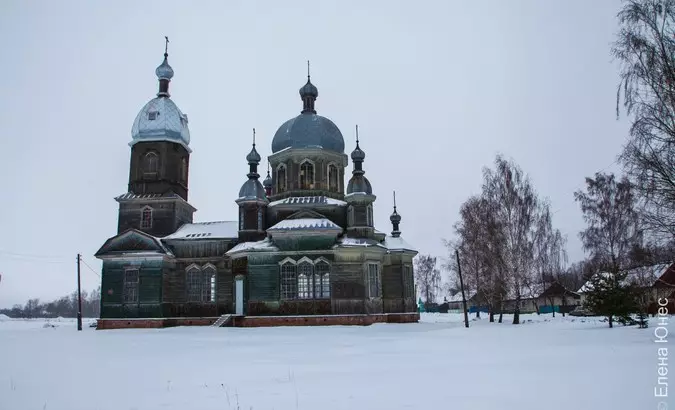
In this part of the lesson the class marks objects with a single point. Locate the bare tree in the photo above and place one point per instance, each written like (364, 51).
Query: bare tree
(515, 204)
(428, 277)
(612, 233)
(645, 48)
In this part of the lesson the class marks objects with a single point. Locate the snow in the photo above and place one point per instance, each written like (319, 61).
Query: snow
(203, 230)
(305, 223)
(555, 364)
(3, 317)
(264, 245)
(397, 244)
(308, 200)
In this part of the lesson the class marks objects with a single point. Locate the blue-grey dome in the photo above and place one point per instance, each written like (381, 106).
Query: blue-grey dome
(395, 217)
(308, 130)
(309, 89)
(164, 71)
(252, 190)
(359, 183)
(358, 154)
(161, 120)
(268, 180)
(253, 157)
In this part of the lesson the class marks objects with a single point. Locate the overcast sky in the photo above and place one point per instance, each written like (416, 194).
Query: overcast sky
(438, 88)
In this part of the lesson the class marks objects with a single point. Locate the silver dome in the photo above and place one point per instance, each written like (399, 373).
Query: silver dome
(161, 120)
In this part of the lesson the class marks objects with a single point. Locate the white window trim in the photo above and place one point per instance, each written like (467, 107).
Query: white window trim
(321, 259)
(379, 276)
(144, 163)
(152, 216)
(313, 184)
(288, 260)
(137, 269)
(305, 259)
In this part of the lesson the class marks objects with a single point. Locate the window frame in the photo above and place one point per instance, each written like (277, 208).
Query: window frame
(377, 276)
(324, 278)
(209, 283)
(301, 174)
(288, 280)
(135, 286)
(146, 223)
(278, 181)
(150, 164)
(335, 171)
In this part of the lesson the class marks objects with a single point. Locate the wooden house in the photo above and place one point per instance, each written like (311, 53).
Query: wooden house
(304, 242)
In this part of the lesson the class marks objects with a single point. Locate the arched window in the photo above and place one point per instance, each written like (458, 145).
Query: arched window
(183, 170)
(305, 289)
(281, 178)
(151, 163)
(322, 272)
(350, 216)
(146, 218)
(194, 281)
(289, 284)
(306, 175)
(333, 177)
(241, 219)
(260, 219)
(209, 283)
(369, 215)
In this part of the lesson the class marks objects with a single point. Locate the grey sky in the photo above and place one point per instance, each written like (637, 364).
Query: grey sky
(437, 89)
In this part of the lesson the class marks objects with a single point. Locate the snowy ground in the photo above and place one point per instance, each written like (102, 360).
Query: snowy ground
(545, 363)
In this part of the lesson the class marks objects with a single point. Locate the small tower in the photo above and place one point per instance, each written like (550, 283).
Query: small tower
(157, 193)
(268, 183)
(252, 201)
(395, 219)
(360, 197)
(309, 93)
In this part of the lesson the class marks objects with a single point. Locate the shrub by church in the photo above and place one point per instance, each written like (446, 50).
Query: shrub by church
(303, 244)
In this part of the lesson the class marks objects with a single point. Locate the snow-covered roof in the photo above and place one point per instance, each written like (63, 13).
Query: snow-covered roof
(207, 230)
(457, 297)
(642, 276)
(260, 246)
(397, 244)
(349, 242)
(305, 224)
(308, 200)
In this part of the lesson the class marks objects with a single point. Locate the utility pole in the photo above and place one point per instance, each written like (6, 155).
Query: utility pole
(79, 295)
(461, 284)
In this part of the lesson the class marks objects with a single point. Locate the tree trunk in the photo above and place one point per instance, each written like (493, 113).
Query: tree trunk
(611, 320)
(553, 306)
(516, 313)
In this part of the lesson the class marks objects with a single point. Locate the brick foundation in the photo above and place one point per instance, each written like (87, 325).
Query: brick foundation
(263, 321)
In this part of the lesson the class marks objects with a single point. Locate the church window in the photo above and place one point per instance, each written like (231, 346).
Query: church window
(305, 289)
(374, 286)
(306, 175)
(322, 280)
(333, 178)
(209, 283)
(289, 284)
(350, 216)
(146, 218)
(152, 115)
(260, 219)
(194, 284)
(183, 170)
(281, 178)
(407, 281)
(130, 294)
(150, 163)
(241, 219)
(369, 215)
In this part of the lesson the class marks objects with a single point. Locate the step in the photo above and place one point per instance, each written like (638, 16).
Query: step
(223, 320)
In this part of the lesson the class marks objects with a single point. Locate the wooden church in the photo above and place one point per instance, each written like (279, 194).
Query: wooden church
(302, 251)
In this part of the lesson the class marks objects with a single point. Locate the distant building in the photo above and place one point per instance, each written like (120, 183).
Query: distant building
(304, 242)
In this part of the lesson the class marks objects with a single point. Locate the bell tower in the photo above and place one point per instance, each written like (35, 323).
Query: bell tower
(156, 199)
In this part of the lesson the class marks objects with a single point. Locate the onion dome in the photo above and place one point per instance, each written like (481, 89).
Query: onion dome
(252, 189)
(358, 182)
(395, 219)
(160, 119)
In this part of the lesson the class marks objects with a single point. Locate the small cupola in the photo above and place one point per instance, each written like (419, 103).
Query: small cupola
(308, 94)
(164, 72)
(395, 219)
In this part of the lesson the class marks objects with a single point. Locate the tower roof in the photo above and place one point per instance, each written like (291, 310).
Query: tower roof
(160, 119)
(308, 130)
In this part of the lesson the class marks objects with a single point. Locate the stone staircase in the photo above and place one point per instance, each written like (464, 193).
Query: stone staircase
(223, 320)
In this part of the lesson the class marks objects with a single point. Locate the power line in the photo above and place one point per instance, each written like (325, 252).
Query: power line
(85, 264)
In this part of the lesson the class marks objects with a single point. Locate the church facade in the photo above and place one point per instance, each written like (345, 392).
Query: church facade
(304, 242)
